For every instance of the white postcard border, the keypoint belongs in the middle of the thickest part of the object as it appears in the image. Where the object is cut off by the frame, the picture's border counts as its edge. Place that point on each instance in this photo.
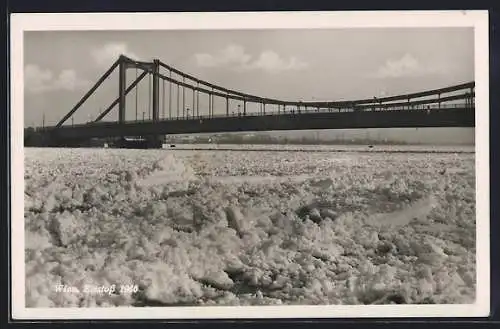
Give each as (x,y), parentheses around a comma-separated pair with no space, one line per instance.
(265,20)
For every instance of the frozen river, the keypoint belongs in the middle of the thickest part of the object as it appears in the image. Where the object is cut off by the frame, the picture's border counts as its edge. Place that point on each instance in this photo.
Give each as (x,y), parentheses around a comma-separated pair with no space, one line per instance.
(228,227)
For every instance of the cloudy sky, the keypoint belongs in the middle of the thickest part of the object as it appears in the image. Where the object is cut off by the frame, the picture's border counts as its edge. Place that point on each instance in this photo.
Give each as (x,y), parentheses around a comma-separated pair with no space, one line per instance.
(306,64)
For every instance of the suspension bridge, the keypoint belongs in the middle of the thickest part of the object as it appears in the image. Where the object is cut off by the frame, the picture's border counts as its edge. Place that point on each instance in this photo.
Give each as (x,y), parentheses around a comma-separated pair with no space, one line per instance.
(179,103)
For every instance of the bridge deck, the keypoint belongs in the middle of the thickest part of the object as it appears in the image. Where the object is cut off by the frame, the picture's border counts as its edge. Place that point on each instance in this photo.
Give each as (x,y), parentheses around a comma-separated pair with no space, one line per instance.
(447,117)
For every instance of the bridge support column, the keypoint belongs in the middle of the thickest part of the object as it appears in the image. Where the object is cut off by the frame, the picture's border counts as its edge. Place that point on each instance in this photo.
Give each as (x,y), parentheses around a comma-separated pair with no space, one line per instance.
(156,90)
(156,140)
(122,81)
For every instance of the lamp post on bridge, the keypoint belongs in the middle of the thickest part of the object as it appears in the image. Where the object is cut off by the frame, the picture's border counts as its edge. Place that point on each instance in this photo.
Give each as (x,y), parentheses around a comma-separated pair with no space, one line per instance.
(313,99)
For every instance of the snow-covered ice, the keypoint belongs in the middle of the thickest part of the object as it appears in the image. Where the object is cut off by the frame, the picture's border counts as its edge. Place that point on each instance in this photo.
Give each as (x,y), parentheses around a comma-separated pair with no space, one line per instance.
(248,228)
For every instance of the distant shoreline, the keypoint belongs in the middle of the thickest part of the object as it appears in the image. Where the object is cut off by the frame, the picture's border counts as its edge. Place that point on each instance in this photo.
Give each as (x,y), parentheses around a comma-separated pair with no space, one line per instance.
(310,143)
(465,149)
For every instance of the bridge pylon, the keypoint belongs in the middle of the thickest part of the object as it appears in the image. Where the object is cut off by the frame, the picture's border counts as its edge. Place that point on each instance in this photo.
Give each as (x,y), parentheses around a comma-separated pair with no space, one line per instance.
(156,90)
(153,68)
(122,82)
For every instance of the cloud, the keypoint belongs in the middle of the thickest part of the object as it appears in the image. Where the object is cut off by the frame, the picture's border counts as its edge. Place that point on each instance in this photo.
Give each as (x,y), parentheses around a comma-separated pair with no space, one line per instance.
(38,80)
(235,56)
(108,53)
(231,55)
(406,66)
(272,62)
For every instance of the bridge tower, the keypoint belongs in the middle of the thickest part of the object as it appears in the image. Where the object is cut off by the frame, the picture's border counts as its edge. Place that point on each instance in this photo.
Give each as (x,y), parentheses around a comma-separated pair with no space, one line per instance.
(122,82)
(123,66)
(156,90)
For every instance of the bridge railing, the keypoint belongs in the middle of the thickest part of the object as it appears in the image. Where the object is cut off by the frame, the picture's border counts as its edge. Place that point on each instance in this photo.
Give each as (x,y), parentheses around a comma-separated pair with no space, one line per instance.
(288,112)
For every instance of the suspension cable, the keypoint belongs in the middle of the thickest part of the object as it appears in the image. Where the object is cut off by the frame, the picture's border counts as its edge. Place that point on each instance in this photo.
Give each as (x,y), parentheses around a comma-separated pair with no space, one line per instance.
(149,97)
(178,100)
(163,100)
(183,98)
(193,108)
(209,105)
(170,96)
(212,100)
(136,94)
(197,99)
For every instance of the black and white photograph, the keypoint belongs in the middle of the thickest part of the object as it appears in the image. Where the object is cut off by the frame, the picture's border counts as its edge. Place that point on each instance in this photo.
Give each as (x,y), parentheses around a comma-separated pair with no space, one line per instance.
(250,165)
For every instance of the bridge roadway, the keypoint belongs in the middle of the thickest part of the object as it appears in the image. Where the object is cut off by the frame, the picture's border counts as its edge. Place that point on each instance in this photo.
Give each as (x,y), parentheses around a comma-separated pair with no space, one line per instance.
(459,116)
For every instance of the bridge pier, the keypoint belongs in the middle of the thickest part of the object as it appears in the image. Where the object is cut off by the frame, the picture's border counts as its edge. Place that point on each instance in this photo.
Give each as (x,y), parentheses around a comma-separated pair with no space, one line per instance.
(34,138)
(49,138)
(155,141)
(148,142)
